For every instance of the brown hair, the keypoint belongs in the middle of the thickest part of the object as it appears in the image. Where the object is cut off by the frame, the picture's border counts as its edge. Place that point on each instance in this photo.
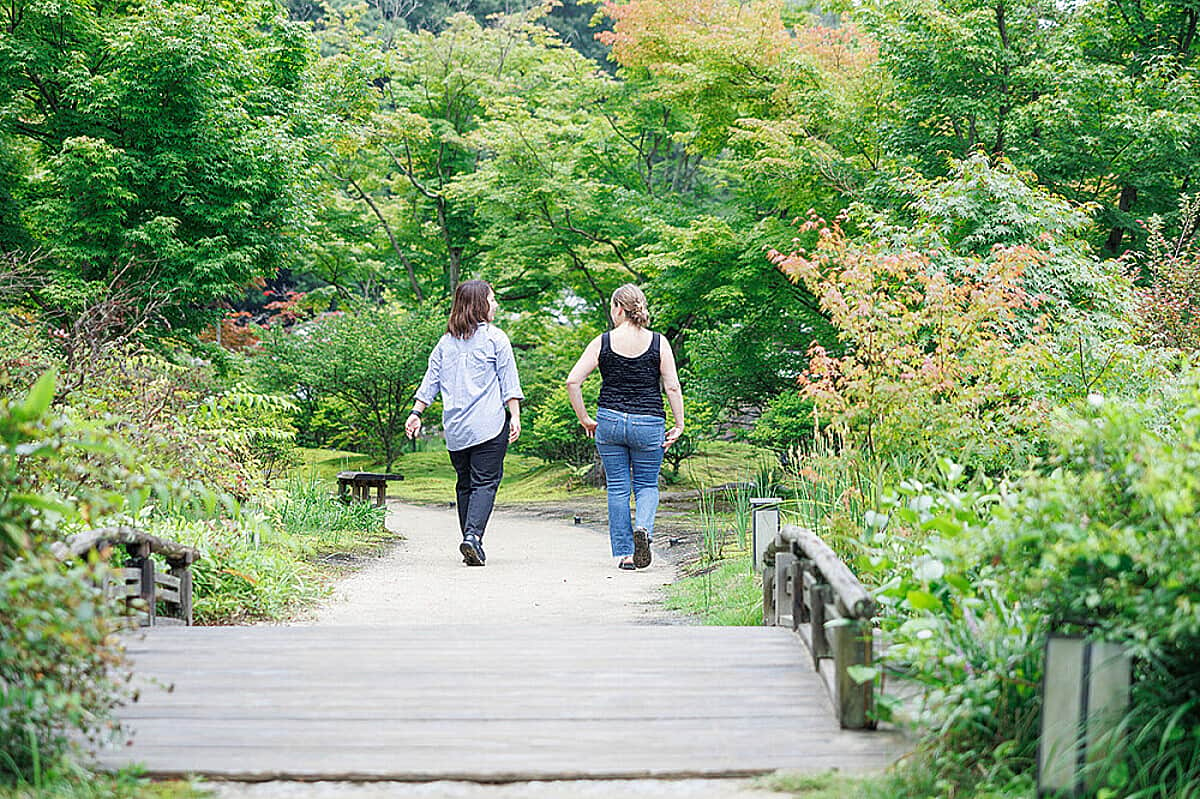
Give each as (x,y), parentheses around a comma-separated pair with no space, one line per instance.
(633,300)
(469,309)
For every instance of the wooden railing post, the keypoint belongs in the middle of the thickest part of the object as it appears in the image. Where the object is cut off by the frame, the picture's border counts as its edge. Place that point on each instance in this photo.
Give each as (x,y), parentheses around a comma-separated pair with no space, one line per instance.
(769,616)
(140,555)
(785,563)
(852,647)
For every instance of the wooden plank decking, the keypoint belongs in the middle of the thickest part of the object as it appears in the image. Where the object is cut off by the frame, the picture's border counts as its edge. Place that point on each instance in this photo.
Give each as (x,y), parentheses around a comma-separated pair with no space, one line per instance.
(484,703)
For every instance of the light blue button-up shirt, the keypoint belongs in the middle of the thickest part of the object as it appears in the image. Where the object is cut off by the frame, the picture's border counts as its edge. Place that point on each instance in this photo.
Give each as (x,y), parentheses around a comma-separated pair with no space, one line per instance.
(476,377)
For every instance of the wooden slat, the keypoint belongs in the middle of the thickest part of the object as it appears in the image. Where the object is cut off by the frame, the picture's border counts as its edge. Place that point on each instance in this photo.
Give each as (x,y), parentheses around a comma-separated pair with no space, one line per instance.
(169,580)
(524,702)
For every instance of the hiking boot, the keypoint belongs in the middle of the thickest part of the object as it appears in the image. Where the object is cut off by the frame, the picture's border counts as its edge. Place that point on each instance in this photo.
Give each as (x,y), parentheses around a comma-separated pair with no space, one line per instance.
(641,548)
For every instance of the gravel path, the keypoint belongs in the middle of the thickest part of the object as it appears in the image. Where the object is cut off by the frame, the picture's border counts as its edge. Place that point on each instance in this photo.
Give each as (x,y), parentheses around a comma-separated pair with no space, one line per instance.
(538,570)
(574,789)
(562,573)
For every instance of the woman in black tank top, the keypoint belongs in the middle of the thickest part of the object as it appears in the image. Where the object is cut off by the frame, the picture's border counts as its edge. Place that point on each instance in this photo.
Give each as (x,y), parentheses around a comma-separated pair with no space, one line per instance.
(636,367)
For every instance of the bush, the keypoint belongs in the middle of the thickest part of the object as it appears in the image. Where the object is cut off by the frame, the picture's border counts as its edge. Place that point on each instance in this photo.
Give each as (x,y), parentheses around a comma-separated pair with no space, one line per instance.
(553,433)
(61,666)
(786,425)
(1101,542)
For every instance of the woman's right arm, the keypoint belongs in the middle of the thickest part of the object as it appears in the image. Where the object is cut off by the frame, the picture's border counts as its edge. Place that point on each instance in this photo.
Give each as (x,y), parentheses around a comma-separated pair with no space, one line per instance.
(586,364)
(431,384)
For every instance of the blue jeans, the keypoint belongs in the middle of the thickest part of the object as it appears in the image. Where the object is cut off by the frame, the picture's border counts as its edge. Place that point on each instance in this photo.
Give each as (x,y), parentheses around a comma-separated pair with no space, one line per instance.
(630,445)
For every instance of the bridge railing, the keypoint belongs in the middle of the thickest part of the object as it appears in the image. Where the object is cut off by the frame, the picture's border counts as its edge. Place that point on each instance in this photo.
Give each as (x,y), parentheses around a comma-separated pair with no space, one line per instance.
(808,587)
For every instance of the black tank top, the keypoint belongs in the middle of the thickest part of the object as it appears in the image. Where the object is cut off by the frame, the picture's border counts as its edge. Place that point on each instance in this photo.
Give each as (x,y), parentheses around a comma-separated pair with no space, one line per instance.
(631,385)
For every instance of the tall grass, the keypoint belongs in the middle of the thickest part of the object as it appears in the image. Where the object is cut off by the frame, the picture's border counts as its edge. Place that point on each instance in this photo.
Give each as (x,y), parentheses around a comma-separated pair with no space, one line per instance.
(308,508)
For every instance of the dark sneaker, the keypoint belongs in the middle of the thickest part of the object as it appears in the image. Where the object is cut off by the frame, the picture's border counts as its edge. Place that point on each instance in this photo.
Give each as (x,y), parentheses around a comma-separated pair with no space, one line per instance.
(641,548)
(472,552)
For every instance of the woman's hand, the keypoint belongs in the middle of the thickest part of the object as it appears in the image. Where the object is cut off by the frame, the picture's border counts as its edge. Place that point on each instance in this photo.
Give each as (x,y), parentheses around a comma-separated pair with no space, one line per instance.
(589,426)
(514,429)
(672,436)
(413,425)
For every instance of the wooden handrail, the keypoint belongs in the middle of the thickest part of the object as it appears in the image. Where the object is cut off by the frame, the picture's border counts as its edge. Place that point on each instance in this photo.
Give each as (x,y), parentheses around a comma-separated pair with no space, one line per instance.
(140,580)
(80,543)
(805,583)
(856,599)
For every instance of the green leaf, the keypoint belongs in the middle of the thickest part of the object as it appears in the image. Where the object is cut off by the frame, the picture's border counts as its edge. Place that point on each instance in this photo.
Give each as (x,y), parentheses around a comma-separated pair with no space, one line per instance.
(42,503)
(862,674)
(38,399)
(923,600)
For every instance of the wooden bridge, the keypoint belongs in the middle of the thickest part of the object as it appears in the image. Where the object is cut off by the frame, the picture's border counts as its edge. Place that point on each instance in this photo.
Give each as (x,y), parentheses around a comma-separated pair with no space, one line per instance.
(487,704)
(508,702)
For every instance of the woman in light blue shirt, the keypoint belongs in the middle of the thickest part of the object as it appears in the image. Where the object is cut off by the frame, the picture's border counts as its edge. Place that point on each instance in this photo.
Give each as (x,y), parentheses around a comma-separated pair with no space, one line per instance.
(473,368)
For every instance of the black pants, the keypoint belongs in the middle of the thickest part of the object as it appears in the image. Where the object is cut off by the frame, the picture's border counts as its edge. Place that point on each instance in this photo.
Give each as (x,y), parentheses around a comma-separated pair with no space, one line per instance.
(479,470)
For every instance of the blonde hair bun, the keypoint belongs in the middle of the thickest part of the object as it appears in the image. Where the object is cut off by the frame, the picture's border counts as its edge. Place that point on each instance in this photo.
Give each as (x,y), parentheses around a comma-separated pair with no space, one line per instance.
(633,301)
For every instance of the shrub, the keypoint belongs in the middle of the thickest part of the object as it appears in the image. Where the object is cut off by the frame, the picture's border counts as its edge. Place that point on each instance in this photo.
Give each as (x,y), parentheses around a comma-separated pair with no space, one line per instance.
(553,433)
(1169,305)
(371,361)
(61,666)
(786,425)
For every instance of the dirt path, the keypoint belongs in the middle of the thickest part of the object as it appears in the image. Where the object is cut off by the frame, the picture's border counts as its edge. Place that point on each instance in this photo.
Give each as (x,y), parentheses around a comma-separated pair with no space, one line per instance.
(538,570)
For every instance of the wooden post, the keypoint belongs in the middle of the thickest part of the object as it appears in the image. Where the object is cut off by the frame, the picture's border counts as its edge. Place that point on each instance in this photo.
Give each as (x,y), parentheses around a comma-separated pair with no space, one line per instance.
(818,596)
(852,647)
(769,618)
(805,575)
(142,561)
(180,567)
(379,499)
(799,614)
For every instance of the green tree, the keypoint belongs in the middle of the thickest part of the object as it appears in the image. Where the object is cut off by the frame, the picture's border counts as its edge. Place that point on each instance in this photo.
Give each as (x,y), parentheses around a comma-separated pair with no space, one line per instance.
(371,362)
(1101,100)
(156,139)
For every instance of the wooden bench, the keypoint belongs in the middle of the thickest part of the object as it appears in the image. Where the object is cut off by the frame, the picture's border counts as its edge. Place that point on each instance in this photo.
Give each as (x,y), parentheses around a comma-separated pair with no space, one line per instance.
(358,485)
(140,579)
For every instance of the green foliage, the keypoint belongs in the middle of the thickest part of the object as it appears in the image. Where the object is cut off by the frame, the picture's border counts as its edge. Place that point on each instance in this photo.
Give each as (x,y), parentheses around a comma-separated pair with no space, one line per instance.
(699,420)
(1168,307)
(553,433)
(309,508)
(60,663)
(721,593)
(370,362)
(786,424)
(1099,542)
(1033,81)
(168,164)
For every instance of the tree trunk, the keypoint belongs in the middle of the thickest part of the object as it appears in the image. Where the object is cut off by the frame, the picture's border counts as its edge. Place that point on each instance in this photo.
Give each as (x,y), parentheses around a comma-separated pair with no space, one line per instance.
(1115,236)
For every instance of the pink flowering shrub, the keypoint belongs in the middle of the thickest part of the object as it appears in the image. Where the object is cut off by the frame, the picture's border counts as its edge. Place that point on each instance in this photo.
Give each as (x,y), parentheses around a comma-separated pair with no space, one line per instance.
(927,362)
(1169,305)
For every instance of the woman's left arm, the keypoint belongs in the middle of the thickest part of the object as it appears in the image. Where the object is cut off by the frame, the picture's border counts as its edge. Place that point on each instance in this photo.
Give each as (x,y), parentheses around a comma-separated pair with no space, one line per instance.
(510,386)
(670,381)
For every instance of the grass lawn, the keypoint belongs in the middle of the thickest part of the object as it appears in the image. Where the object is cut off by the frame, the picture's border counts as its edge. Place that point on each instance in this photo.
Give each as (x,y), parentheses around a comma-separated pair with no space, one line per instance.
(429,477)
